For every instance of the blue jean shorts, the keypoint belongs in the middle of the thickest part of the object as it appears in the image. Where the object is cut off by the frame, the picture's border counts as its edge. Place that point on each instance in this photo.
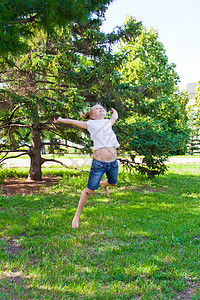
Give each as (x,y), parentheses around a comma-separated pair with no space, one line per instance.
(98,168)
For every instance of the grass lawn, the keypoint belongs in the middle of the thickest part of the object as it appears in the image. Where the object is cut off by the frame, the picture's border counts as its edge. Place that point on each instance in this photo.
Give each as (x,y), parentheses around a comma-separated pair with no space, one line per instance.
(141,243)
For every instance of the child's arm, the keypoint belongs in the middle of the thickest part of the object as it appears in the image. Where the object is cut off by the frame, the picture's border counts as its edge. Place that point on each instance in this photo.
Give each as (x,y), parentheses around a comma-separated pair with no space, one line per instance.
(81,124)
(114,117)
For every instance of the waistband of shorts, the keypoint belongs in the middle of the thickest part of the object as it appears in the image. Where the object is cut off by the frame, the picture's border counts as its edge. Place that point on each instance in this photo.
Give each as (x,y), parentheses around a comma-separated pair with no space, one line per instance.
(105,162)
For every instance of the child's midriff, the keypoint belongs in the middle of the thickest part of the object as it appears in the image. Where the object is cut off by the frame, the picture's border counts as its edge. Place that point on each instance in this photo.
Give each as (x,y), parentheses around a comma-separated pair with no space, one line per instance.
(106,154)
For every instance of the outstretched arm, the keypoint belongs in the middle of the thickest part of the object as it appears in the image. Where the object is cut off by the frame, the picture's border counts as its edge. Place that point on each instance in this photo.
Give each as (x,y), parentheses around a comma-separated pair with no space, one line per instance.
(114,117)
(81,124)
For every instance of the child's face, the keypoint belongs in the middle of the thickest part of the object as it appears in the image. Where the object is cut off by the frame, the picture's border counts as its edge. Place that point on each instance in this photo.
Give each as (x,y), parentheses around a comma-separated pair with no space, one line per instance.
(98,112)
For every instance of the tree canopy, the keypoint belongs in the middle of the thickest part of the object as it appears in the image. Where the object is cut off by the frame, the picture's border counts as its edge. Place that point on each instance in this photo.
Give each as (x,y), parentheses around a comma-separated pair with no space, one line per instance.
(58,75)
(155,120)
(75,67)
(20,19)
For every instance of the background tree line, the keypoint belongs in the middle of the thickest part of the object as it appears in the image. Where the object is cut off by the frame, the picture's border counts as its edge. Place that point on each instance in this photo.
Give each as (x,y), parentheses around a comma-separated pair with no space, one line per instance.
(67,68)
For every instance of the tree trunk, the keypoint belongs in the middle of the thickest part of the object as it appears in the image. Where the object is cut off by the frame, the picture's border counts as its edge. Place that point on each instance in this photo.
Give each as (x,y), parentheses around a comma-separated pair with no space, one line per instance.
(35,172)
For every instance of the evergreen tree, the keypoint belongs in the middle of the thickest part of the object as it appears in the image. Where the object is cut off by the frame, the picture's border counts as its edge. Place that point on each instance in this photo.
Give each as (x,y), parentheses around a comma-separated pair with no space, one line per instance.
(59,75)
(20,19)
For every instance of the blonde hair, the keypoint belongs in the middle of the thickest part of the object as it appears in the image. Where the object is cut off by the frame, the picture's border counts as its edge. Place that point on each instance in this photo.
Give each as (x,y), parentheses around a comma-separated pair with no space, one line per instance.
(88,112)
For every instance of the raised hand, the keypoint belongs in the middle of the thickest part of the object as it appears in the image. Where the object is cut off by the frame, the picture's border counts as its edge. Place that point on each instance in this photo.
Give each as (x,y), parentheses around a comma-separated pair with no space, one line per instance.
(55,121)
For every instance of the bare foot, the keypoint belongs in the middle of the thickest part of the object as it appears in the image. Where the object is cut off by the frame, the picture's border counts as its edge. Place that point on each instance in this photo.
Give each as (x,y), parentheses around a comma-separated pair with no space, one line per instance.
(105,187)
(75,222)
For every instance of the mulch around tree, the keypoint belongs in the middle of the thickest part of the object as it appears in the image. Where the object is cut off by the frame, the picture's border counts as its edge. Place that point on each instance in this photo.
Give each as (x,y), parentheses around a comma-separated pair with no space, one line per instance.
(15,186)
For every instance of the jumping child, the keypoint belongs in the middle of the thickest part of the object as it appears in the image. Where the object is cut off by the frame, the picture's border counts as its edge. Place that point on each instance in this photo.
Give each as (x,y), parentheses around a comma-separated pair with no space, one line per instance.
(104,153)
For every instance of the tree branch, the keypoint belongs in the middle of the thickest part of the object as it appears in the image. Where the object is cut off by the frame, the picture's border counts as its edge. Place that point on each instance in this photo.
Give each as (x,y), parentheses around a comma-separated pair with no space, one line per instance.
(60,144)
(28,20)
(55,144)
(8,151)
(59,162)
(4,158)
(9,122)
(9,80)
(14,110)
(14,125)
(45,81)
(24,21)
(16,149)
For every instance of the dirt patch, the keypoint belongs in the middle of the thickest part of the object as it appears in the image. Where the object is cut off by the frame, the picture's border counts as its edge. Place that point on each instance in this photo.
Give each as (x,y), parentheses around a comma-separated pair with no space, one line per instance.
(188,292)
(15,186)
(8,283)
(142,189)
(13,247)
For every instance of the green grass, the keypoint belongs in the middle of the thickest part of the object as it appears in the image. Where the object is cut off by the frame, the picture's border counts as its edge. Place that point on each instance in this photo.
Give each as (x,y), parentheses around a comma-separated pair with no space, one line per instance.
(141,243)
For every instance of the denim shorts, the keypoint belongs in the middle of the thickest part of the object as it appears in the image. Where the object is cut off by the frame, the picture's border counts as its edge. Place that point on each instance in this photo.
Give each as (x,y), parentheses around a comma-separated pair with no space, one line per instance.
(98,168)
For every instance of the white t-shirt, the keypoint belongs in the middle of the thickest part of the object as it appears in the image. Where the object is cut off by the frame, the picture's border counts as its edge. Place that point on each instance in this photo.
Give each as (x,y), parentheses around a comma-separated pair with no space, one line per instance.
(102,134)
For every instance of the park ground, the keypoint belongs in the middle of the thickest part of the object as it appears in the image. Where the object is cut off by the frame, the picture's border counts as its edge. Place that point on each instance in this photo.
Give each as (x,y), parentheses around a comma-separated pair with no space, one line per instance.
(141,243)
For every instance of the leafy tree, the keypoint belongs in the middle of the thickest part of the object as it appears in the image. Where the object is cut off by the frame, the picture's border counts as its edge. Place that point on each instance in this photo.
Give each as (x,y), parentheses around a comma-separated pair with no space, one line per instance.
(156,123)
(19,19)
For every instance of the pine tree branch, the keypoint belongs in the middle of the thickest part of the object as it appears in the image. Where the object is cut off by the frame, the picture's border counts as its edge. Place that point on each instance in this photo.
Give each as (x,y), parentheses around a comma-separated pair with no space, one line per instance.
(59,162)
(14,110)
(8,151)
(14,125)
(31,19)
(14,156)
(9,122)
(59,144)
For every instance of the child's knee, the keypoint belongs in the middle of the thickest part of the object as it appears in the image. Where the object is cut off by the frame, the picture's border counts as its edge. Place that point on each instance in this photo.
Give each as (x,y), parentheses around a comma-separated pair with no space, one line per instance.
(88,191)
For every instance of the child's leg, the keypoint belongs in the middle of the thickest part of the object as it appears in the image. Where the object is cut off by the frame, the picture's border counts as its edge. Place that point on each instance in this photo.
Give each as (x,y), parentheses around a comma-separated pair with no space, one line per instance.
(84,197)
(112,177)
(105,185)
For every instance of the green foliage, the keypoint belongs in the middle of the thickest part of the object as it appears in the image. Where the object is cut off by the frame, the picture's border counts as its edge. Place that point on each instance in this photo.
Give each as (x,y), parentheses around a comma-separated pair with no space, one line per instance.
(20,19)
(75,67)
(146,64)
(194,122)
(153,140)
(12,173)
(197,105)
(59,75)
(156,118)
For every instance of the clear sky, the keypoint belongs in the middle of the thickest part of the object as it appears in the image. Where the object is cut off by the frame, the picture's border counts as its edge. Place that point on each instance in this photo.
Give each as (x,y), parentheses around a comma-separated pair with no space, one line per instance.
(178,25)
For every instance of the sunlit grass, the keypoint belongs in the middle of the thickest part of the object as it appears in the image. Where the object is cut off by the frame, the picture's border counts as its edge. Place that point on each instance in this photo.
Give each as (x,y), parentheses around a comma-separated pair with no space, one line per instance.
(141,243)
